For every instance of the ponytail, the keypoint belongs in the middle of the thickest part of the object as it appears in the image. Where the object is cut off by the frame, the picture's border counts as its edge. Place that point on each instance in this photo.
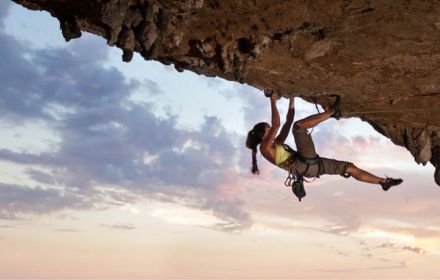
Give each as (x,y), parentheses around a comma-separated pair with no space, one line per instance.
(254,168)
(252,141)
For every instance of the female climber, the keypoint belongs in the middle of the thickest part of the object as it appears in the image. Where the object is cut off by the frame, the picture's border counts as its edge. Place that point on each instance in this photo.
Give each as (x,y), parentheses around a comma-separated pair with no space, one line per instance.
(304,162)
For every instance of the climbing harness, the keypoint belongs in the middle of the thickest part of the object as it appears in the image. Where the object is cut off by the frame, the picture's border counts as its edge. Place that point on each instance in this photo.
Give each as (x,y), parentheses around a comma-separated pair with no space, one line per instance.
(296,180)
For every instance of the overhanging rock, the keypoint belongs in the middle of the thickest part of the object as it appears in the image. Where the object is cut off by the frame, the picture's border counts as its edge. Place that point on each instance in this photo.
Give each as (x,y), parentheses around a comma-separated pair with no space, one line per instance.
(382,57)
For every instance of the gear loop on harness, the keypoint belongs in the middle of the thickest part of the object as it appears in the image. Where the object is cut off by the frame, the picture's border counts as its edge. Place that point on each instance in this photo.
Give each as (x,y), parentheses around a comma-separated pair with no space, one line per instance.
(292,176)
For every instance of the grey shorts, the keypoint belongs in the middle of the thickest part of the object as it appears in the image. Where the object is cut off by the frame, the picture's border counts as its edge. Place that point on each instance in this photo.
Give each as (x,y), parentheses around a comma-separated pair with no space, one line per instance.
(306,148)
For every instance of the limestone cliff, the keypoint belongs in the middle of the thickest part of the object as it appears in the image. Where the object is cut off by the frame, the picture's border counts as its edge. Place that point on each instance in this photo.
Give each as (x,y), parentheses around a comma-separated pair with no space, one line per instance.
(378,55)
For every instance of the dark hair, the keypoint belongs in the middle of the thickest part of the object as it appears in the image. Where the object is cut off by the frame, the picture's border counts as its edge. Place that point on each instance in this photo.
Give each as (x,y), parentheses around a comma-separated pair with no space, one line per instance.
(253,139)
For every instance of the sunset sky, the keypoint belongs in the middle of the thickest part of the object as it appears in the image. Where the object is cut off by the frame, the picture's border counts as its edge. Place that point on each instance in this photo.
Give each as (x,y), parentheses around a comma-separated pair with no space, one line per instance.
(134,170)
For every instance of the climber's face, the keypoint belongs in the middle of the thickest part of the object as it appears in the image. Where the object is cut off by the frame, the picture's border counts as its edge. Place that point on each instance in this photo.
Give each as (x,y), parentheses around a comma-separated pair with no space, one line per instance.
(266,129)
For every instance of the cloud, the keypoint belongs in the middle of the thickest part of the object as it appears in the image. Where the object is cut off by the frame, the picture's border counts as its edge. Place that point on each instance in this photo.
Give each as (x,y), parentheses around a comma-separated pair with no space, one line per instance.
(67,230)
(40,177)
(419,232)
(1,226)
(106,137)
(399,248)
(4,11)
(349,208)
(256,106)
(119,226)
(341,229)
(67,79)
(17,199)
(396,265)
(369,252)
(152,87)
(332,141)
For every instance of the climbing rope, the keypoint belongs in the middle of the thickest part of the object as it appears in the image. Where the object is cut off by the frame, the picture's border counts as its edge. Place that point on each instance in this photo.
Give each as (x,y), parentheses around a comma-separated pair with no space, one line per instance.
(315,99)
(326,94)
(393,111)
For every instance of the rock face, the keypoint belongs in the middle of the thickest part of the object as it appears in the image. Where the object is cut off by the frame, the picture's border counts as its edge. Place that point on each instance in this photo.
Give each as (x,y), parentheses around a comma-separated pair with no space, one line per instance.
(381,57)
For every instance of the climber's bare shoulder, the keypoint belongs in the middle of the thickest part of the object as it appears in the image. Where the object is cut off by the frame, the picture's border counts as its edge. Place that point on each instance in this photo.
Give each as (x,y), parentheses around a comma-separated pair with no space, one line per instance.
(268,150)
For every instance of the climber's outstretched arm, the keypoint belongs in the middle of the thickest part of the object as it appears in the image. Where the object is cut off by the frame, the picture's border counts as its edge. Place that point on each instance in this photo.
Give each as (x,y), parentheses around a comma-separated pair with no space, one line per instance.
(289,121)
(268,141)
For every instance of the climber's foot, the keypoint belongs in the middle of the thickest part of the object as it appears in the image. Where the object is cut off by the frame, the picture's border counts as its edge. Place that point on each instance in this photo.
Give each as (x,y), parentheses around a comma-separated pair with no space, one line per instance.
(268,92)
(336,108)
(390,182)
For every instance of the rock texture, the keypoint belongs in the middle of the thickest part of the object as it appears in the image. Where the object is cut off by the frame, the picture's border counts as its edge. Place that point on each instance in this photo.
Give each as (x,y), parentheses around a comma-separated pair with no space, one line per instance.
(378,55)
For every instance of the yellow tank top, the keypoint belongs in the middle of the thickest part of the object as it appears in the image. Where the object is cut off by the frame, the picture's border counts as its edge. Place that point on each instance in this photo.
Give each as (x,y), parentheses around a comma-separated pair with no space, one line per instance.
(282,156)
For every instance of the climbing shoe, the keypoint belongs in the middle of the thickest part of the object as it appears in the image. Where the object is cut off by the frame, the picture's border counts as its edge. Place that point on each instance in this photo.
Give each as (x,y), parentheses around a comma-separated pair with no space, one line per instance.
(390,182)
(337,108)
(268,92)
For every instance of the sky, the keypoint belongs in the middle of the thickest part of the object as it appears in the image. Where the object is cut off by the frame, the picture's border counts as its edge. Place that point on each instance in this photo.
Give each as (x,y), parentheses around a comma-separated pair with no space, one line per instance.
(134,170)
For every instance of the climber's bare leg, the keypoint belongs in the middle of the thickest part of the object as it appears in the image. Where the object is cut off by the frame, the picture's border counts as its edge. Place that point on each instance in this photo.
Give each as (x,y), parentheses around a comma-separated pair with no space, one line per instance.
(314,120)
(364,176)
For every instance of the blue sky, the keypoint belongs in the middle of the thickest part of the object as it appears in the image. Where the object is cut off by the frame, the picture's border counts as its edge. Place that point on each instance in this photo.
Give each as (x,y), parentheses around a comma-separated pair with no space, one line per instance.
(113,152)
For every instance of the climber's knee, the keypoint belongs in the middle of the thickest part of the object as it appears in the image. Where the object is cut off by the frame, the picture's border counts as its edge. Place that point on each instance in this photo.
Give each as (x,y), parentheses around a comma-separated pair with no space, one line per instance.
(298,124)
(351,168)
